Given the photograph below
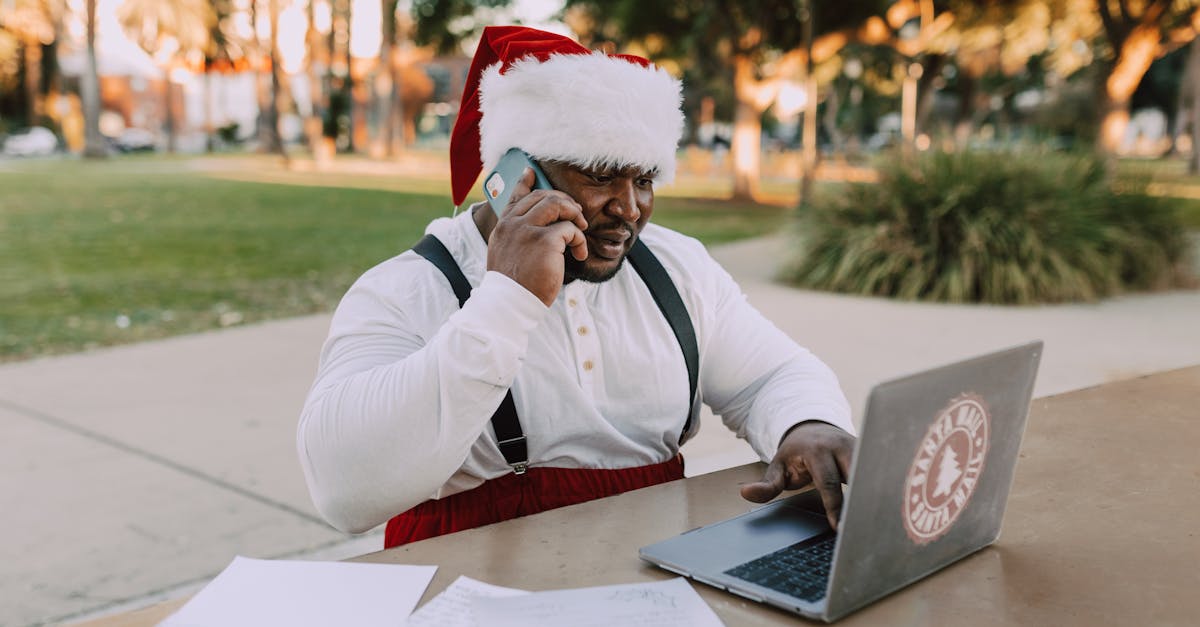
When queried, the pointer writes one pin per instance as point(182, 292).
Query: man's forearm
point(384, 427)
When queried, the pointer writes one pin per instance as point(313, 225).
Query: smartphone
point(498, 185)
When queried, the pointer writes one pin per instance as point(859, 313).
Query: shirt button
point(583, 330)
point(588, 365)
point(572, 302)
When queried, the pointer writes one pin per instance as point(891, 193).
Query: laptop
point(928, 486)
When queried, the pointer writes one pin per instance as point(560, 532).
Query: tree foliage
point(1137, 33)
point(749, 47)
point(445, 24)
point(153, 22)
point(702, 37)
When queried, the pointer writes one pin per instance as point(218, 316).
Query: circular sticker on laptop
point(946, 469)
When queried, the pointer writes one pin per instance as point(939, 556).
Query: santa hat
point(559, 101)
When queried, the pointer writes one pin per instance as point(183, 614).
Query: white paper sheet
point(252, 593)
point(670, 603)
point(453, 607)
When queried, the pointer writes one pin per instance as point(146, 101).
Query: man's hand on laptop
point(811, 452)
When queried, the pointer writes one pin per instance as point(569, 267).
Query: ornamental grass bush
point(990, 228)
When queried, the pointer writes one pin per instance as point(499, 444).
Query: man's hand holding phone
point(533, 234)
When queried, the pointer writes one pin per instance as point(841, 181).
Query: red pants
point(512, 495)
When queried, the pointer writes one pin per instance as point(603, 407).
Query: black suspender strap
point(509, 436)
point(505, 423)
point(508, 429)
point(666, 296)
point(435, 251)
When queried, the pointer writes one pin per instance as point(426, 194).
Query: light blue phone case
point(498, 185)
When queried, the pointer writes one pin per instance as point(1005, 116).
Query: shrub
point(990, 228)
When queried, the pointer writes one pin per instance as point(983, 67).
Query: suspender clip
point(514, 452)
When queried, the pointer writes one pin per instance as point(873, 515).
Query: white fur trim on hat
point(591, 110)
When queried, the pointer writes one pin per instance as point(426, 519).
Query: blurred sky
point(119, 54)
point(293, 21)
point(365, 23)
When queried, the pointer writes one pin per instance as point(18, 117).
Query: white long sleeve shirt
point(407, 382)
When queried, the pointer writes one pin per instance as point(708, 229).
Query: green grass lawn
point(1168, 177)
point(96, 254)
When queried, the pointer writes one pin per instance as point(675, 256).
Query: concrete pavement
point(134, 474)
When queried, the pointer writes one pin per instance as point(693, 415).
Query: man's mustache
point(625, 229)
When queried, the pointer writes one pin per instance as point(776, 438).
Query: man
point(595, 372)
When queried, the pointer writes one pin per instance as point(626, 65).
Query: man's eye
point(599, 177)
point(645, 182)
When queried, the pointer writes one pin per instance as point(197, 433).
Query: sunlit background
point(231, 166)
point(196, 75)
point(191, 75)
point(210, 54)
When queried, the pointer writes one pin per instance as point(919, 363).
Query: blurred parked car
point(135, 140)
point(33, 142)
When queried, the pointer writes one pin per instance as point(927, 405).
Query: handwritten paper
point(670, 603)
point(453, 607)
point(252, 592)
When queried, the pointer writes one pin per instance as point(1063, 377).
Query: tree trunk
point(383, 92)
point(1133, 60)
point(829, 121)
point(32, 53)
point(1192, 80)
point(348, 85)
point(209, 144)
point(1194, 158)
point(855, 139)
point(809, 144)
point(169, 112)
point(908, 108)
point(317, 85)
point(746, 147)
point(52, 76)
point(261, 122)
point(272, 117)
point(392, 117)
point(1179, 122)
point(810, 154)
point(398, 125)
point(964, 117)
point(333, 84)
point(93, 141)
point(1114, 119)
point(927, 92)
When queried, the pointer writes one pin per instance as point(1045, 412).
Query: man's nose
point(624, 203)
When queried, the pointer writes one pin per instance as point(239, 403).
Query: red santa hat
point(556, 100)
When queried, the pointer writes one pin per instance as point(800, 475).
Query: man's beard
point(576, 269)
point(591, 272)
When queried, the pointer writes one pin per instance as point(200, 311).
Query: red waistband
point(513, 495)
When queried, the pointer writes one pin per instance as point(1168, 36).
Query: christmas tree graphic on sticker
point(948, 472)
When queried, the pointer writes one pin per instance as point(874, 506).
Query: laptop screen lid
point(931, 474)
point(909, 425)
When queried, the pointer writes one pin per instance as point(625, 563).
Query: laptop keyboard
point(801, 570)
